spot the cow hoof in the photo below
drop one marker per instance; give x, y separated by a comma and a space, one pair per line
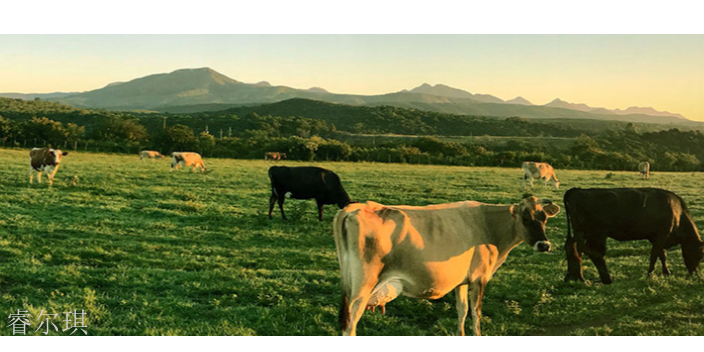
607, 281
569, 278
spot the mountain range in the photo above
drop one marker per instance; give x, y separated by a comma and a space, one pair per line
204, 89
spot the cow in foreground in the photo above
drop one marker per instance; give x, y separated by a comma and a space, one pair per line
644, 169
149, 154
543, 171
306, 182
627, 214
44, 160
187, 159
426, 252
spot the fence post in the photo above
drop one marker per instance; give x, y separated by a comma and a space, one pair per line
75, 145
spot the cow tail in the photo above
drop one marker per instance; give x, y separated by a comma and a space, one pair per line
567, 215
340, 233
271, 180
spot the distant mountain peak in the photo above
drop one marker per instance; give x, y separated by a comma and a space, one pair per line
263, 84
519, 100
317, 90
450, 92
558, 103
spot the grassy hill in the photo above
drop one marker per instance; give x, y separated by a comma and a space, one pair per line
149, 252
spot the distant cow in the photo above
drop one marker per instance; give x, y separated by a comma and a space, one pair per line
644, 169
274, 156
187, 159
627, 214
306, 182
426, 252
44, 160
543, 171
149, 154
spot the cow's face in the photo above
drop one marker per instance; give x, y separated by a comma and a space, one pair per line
693, 255
530, 217
55, 155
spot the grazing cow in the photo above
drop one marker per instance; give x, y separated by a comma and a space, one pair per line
187, 159
426, 252
627, 214
544, 171
306, 182
274, 156
149, 154
44, 159
644, 169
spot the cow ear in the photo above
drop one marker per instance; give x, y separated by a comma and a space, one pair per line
551, 209
64, 153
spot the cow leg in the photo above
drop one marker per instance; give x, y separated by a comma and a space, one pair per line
596, 249
574, 261
353, 307
31, 174
663, 259
272, 201
356, 309
281, 206
476, 294
51, 174
39, 177
658, 252
320, 210
461, 293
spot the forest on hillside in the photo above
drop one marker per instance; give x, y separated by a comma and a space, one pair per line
310, 130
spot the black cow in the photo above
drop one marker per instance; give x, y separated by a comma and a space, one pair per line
306, 182
627, 214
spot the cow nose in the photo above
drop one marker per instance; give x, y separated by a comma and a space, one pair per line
542, 246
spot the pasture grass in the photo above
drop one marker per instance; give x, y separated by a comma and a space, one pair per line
149, 252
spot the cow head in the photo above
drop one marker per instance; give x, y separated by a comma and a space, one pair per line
530, 216
693, 255
55, 156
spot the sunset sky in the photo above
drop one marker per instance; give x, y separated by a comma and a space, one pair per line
613, 71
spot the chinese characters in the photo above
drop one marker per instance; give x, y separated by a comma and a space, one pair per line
74, 321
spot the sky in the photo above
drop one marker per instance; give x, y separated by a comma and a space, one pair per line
613, 71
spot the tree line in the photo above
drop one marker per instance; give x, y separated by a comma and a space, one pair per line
223, 134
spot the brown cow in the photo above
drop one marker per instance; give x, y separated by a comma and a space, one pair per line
274, 156
187, 159
543, 171
149, 154
44, 159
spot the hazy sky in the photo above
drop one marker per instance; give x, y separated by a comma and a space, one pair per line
613, 71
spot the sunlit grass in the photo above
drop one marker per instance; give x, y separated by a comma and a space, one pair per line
148, 252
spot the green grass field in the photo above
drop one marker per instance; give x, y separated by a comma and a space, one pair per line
148, 252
